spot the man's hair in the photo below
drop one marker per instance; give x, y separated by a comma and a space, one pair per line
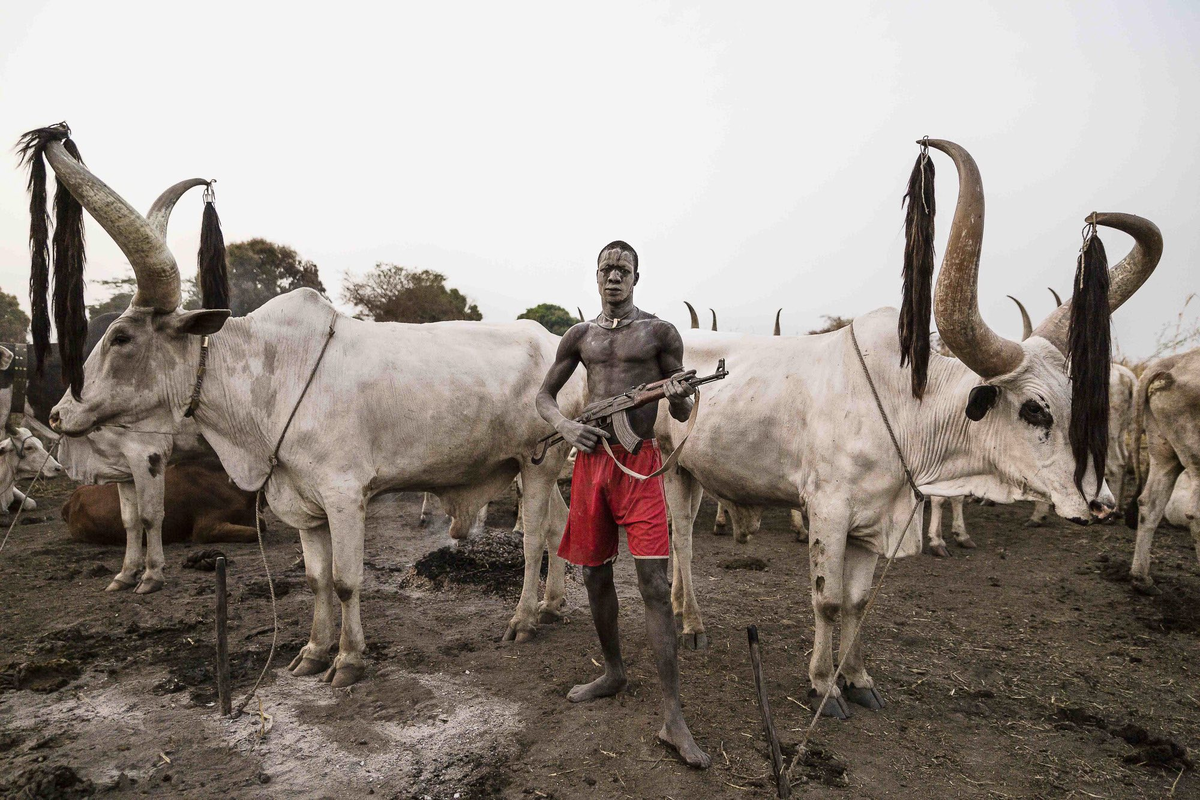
623, 247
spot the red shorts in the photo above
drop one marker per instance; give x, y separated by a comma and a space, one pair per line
603, 497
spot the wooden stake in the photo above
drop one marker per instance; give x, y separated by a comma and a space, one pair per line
223, 693
760, 683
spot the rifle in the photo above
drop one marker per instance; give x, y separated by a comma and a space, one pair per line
614, 409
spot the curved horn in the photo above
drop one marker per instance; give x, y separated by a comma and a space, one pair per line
1026, 324
714, 327
956, 299
580, 310
692, 313
1124, 279
153, 265
160, 212
777, 313
1057, 299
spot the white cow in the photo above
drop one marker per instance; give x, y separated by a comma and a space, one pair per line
1165, 409
1180, 505
445, 407
795, 421
22, 455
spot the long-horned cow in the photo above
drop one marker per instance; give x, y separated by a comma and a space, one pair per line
1165, 411
445, 407
796, 421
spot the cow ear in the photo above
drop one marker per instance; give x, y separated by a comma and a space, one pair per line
981, 400
203, 322
6, 446
6, 357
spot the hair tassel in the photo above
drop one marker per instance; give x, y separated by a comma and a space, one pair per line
213, 271
916, 304
1090, 354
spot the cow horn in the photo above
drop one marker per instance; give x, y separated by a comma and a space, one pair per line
777, 313
1124, 279
160, 212
580, 310
692, 313
1057, 299
1026, 324
153, 265
956, 299
714, 327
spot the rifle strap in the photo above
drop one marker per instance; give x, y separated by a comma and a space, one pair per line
671, 459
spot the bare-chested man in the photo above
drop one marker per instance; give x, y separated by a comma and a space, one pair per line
620, 349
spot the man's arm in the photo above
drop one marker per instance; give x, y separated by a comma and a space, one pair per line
670, 361
585, 437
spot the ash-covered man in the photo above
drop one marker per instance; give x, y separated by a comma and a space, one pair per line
620, 349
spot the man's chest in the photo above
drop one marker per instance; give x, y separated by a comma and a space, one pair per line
624, 346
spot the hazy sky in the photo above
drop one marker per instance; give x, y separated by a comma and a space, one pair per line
754, 154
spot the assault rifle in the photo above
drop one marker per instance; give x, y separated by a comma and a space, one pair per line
614, 409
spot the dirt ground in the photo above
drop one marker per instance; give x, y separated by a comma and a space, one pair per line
1025, 668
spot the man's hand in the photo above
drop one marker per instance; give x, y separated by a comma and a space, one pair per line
677, 391
576, 434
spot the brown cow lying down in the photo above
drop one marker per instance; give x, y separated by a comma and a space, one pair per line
201, 506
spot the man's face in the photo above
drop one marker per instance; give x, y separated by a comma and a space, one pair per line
616, 276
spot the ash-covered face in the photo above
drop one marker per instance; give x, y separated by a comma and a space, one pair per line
616, 275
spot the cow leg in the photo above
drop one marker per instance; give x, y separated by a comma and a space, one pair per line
21, 501
479, 525
1164, 469
423, 520
519, 524
683, 499
959, 525
347, 528
223, 532
826, 554
131, 519
719, 521
937, 545
151, 489
545, 519
798, 525
746, 522
859, 573
1038, 518
317, 547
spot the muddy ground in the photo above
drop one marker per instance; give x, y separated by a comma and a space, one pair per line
1025, 668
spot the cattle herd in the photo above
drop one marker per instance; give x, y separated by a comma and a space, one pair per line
191, 412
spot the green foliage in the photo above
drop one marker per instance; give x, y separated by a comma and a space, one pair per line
14, 323
555, 319
832, 323
120, 292
392, 293
258, 271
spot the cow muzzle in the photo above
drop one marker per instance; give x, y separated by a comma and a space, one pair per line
1101, 510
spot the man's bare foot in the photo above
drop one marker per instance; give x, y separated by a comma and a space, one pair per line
678, 736
604, 686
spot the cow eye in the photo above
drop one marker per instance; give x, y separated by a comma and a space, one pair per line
1036, 414
119, 339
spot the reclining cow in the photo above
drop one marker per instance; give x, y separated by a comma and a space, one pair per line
201, 506
1165, 411
994, 425
22, 455
323, 412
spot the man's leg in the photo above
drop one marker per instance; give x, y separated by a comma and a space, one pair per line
602, 597
660, 628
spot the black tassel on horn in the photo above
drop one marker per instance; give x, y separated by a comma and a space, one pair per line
917, 304
30, 148
70, 316
1090, 354
214, 274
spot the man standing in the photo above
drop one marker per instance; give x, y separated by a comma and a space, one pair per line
620, 349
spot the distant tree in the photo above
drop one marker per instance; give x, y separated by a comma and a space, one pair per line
258, 271
555, 319
832, 323
14, 323
392, 293
120, 292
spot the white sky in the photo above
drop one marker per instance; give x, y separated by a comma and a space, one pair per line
754, 154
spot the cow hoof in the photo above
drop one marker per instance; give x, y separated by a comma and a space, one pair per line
520, 635
867, 698
1145, 586
302, 666
347, 675
149, 586
939, 551
966, 543
548, 617
983, 501
834, 706
119, 585
720, 531
422, 522
695, 641
1034, 523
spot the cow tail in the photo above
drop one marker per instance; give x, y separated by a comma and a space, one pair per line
1135, 445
